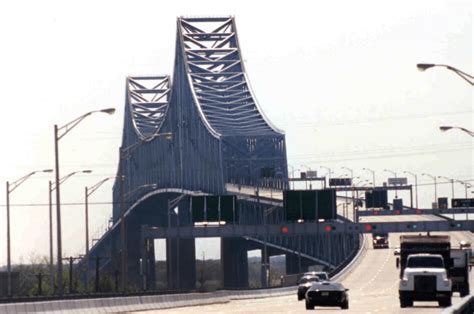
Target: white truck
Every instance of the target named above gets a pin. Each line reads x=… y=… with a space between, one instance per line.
x=424 y=263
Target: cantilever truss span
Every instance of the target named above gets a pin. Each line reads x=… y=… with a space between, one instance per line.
x=148 y=100
x=218 y=79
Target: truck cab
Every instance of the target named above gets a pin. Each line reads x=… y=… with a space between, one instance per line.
x=425 y=279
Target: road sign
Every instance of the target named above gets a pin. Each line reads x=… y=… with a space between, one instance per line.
x=398 y=204
x=340 y=182
x=213 y=208
x=462 y=202
x=311 y=174
x=309 y=205
x=376 y=199
x=397 y=181
x=442 y=202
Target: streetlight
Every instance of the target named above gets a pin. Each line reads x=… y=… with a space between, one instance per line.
x=352 y=178
x=395 y=174
x=65 y=129
x=434 y=178
x=373 y=175
x=88 y=192
x=444 y=128
x=328 y=174
x=452 y=184
x=125 y=153
x=466 y=186
x=51 y=189
x=328 y=169
x=10 y=188
x=467 y=77
x=416 y=186
x=350 y=170
x=307 y=176
x=452 y=188
x=293 y=173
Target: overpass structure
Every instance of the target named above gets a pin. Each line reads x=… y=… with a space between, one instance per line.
x=201 y=132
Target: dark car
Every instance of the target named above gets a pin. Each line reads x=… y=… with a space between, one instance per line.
x=380 y=240
x=303 y=285
x=327 y=293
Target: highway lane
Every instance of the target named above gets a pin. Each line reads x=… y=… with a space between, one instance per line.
x=373 y=284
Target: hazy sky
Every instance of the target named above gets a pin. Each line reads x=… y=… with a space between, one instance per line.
x=338 y=76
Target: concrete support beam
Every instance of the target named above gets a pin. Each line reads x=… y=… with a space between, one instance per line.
x=234 y=263
x=181 y=263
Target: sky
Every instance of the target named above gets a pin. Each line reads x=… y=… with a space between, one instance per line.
x=339 y=77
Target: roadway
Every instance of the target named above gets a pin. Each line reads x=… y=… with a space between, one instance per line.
x=372 y=284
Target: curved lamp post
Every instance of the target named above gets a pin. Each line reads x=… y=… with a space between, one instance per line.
x=452 y=184
x=59 y=133
x=52 y=187
x=416 y=186
x=466 y=186
x=445 y=128
x=467 y=77
x=293 y=173
x=10 y=188
x=373 y=175
x=434 y=178
x=88 y=192
x=395 y=174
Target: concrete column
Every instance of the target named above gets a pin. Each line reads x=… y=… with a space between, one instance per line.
x=292 y=264
x=150 y=266
x=234 y=262
x=181 y=263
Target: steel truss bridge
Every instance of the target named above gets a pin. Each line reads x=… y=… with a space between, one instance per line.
x=202 y=132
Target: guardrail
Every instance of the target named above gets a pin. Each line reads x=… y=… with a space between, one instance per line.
x=466 y=306
x=140 y=303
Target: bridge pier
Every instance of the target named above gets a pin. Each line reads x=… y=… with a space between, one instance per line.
x=293 y=264
x=181 y=264
x=235 y=271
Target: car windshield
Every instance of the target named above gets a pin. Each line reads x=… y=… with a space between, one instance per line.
x=425 y=262
x=307 y=279
x=327 y=286
x=323 y=276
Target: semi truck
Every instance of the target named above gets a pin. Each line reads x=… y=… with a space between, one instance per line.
x=424 y=262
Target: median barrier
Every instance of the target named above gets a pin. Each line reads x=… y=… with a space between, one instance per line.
x=147 y=302
x=19 y=308
x=30 y=307
x=104 y=306
x=48 y=306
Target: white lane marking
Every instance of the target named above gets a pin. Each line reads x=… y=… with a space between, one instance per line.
x=374 y=277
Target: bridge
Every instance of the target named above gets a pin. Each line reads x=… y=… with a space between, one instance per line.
x=201 y=132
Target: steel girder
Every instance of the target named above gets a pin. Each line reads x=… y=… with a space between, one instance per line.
x=148 y=99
